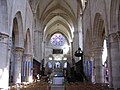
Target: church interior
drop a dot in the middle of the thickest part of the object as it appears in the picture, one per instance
(60, 44)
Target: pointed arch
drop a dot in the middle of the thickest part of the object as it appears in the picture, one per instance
(68, 32)
(17, 48)
(57, 6)
(98, 33)
(68, 16)
(18, 30)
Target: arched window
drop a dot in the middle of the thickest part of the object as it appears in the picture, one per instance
(65, 65)
(57, 39)
(104, 55)
(49, 64)
(57, 64)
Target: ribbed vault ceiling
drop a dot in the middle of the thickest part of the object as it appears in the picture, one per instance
(57, 15)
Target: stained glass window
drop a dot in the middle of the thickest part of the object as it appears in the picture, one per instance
(57, 64)
(65, 65)
(49, 64)
(57, 39)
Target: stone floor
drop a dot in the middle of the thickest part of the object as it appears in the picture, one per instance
(86, 86)
(57, 87)
(67, 86)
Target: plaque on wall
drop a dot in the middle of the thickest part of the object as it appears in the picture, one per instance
(57, 51)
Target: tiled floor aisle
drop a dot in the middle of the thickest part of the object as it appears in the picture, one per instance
(57, 87)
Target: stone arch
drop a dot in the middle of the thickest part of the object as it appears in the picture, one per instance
(15, 33)
(98, 32)
(66, 15)
(17, 48)
(17, 29)
(15, 38)
(64, 24)
(18, 17)
(3, 16)
(67, 33)
(47, 13)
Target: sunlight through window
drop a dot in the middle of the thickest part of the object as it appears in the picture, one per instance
(104, 55)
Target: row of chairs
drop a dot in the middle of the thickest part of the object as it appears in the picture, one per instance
(32, 86)
(86, 86)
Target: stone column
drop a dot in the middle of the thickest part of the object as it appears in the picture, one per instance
(38, 44)
(93, 69)
(115, 59)
(72, 55)
(80, 32)
(109, 62)
(41, 45)
(75, 44)
(18, 60)
(44, 53)
(4, 61)
(99, 74)
(27, 67)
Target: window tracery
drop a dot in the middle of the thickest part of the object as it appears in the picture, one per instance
(57, 39)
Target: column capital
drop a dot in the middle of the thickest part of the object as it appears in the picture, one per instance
(97, 51)
(118, 34)
(4, 38)
(18, 53)
(19, 49)
(114, 37)
(28, 56)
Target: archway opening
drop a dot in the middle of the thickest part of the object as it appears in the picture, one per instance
(58, 48)
(105, 61)
(100, 49)
(16, 55)
(104, 55)
(12, 55)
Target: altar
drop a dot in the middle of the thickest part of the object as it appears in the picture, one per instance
(58, 80)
